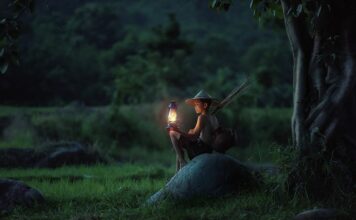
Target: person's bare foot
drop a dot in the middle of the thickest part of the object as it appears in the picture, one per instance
(177, 165)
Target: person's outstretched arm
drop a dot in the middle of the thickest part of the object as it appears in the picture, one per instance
(194, 133)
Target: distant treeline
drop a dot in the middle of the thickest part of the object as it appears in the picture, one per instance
(99, 52)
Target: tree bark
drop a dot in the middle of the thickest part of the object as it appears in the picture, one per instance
(324, 81)
(300, 43)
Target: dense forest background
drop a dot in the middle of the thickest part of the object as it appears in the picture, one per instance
(128, 52)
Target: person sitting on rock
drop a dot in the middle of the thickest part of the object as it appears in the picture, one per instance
(198, 140)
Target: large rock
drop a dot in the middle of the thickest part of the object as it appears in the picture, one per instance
(208, 175)
(322, 214)
(19, 157)
(51, 156)
(75, 154)
(13, 193)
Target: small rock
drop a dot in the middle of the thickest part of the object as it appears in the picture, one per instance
(14, 193)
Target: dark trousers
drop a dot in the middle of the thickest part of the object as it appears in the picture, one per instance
(194, 147)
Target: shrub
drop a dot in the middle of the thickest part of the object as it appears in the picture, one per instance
(56, 127)
(122, 127)
(256, 125)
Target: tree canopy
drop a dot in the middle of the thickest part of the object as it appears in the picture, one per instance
(98, 52)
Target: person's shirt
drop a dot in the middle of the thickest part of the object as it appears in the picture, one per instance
(210, 125)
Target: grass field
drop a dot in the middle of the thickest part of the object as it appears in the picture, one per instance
(119, 191)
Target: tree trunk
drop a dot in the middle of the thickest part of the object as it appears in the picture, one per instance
(324, 105)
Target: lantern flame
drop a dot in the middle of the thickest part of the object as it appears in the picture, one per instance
(172, 116)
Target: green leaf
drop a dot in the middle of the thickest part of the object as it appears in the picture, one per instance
(2, 51)
(319, 10)
(221, 4)
(252, 3)
(3, 68)
(333, 56)
(214, 3)
(299, 10)
(289, 11)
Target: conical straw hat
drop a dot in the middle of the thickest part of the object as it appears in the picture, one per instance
(201, 95)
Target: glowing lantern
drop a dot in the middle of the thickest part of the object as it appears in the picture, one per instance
(172, 115)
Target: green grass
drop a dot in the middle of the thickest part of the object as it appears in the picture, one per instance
(120, 192)
(13, 110)
(259, 153)
(23, 140)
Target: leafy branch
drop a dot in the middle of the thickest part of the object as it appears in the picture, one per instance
(10, 27)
